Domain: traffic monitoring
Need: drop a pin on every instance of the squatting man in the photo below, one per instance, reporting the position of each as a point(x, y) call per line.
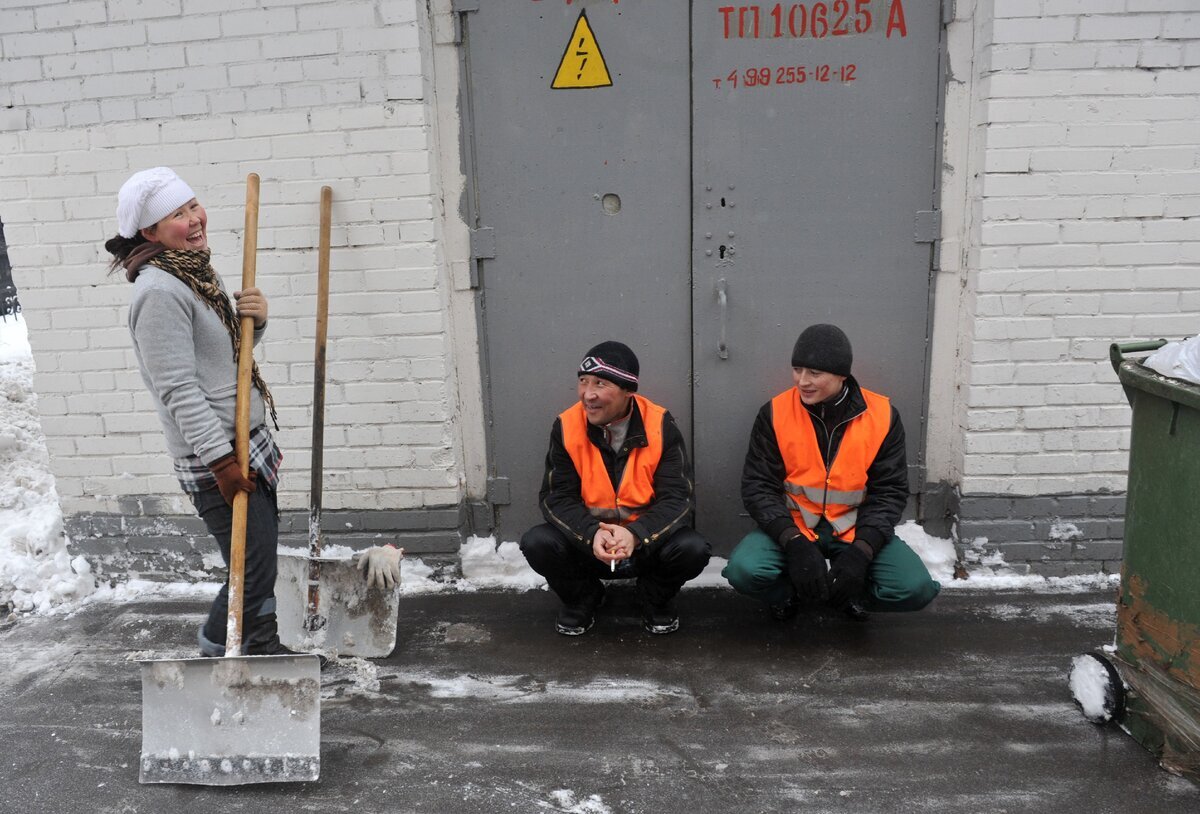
point(825, 478)
point(617, 498)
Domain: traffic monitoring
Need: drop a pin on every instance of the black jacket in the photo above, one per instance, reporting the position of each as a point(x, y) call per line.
point(887, 477)
point(561, 497)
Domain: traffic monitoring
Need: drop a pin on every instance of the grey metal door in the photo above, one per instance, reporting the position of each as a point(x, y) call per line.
point(814, 151)
point(803, 135)
point(587, 192)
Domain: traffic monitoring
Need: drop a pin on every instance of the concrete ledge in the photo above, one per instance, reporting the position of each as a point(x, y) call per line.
point(1049, 535)
point(173, 546)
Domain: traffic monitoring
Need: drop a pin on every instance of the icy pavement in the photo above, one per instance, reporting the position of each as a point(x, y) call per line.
point(963, 707)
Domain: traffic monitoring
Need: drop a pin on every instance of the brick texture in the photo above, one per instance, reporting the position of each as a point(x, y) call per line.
point(1086, 233)
point(304, 93)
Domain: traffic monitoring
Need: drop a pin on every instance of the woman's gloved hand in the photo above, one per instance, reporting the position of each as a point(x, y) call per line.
point(229, 477)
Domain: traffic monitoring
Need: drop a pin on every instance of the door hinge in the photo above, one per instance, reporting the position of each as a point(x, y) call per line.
point(458, 8)
point(499, 491)
point(927, 226)
point(483, 243)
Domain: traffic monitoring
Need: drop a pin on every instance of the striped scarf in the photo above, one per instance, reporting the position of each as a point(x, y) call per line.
point(192, 268)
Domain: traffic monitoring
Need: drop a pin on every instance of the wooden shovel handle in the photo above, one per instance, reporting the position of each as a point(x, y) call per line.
point(241, 443)
point(318, 428)
point(313, 621)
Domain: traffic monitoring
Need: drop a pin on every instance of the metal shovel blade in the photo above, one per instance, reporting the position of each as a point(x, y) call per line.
point(231, 721)
point(358, 621)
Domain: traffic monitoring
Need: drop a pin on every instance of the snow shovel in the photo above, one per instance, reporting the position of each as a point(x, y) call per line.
point(236, 719)
point(340, 614)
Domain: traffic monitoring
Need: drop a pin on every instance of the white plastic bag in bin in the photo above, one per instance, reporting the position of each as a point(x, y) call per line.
point(1179, 360)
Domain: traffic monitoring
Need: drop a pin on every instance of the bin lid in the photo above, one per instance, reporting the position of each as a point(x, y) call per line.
point(1134, 374)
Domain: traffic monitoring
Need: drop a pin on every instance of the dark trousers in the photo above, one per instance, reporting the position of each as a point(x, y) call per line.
point(574, 574)
point(262, 538)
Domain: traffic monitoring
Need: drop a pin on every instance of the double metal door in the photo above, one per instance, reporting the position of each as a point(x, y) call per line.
point(700, 181)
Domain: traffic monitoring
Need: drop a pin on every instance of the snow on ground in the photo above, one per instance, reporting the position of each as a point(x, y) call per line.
point(488, 566)
point(1092, 688)
point(37, 571)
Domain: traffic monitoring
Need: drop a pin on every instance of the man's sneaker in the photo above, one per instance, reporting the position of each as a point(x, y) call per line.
point(660, 619)
point(783, 611)
point(577, 619)
point(855, 611)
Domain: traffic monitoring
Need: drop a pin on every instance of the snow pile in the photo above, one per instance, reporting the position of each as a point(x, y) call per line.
point(988, 570)
point(936, 552)
point(566, 801)
point(1061, 532)
point(711, 577)
point(1092, 688)
point(486, 565)
point(36, 570)
point(135, 590)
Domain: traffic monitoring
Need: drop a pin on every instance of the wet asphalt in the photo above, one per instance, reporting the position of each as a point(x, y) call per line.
point(482, 707)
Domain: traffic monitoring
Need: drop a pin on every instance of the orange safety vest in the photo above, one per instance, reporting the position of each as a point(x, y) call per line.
point(636, 490)
point(835, 493)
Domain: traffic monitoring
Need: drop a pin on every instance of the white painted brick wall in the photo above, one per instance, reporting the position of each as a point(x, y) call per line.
point(1088, 232)
point(305, 93)
point(1077, 227)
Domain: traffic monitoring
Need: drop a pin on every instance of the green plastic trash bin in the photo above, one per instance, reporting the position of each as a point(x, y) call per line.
point(1157, 653)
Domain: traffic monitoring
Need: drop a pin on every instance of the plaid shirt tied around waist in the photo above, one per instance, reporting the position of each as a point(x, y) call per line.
point(265, 458)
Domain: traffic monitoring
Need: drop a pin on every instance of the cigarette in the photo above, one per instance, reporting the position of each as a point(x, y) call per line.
point(612, 566)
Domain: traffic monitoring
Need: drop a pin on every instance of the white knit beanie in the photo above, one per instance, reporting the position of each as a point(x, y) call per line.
point(148, 197)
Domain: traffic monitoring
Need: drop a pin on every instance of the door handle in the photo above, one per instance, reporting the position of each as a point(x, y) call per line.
point(723, 306)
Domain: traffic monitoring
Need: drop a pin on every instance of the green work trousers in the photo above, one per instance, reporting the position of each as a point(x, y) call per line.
point(897, 580)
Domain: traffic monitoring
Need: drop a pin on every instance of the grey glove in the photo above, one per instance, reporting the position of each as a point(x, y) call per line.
point(380, 565)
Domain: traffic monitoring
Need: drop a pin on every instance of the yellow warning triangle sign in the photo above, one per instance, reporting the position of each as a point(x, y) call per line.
point(582, 64)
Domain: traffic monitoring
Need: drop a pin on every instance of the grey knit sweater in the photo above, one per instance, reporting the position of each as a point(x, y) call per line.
point(186, 361)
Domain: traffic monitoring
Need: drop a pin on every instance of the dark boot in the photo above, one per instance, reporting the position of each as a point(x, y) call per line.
point(855, 611)
point(658, 609)
point(209, 648)
point(263, 640)
point(786, 610)
point(578, 616)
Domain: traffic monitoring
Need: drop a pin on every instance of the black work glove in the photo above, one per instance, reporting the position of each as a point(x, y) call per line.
point(229, 477)
point(806, 568)
point(848, 575)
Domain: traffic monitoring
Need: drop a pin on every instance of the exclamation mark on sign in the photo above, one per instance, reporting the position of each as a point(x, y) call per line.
point(582, 64)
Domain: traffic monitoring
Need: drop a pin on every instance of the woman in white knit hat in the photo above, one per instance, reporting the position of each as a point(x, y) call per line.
point(186, 334)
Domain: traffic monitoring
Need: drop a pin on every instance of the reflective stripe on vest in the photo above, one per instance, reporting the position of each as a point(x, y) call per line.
point(835, 494)
point(636, 491)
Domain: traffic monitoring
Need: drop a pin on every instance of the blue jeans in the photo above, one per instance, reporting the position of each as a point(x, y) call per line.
point(262, 539)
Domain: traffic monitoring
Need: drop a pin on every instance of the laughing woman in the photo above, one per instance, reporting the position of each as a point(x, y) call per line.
point(186, 334)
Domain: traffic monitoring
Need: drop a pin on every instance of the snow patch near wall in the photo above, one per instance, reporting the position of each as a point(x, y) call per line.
point(37, 572)
point(1063, 532)
point(487, 565)
point(988, 570)
point(1091, 687)
point(937, 553)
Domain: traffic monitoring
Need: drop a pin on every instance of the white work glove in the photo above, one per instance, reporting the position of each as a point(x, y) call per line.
point(380, 565)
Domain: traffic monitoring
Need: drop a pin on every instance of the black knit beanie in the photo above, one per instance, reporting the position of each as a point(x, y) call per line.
point(823, 347)
point(614, 362)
